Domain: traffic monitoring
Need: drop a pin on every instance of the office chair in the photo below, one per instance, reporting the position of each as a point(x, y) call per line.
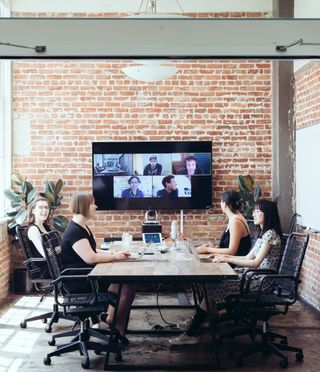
point(277, 292)
point(82, 306)
point(40, 284)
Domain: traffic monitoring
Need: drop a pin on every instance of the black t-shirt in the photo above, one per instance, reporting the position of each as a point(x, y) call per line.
point(73, 234)
point(167, 195)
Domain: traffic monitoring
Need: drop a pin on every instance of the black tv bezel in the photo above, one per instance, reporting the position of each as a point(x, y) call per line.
point(154, 147)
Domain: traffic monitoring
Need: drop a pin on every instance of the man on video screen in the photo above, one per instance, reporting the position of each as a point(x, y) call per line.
point(170, 188)
point(153, 168)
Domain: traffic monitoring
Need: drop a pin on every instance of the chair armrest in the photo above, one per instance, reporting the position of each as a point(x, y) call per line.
point(33, 259)
point(264, 278)
point(64, 277)
point(249, 274)
point(74, 269)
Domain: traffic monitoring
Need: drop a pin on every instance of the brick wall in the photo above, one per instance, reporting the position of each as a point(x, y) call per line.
point(5, 262)
point(69, 104)
point(65, 105)
point(307, 113)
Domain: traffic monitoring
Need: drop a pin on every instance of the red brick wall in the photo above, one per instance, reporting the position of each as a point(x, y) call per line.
point(5, 262)
point(307, 113)
point(69, 104)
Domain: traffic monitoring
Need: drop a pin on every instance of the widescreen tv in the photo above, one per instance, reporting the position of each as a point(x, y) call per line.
point(152, 175)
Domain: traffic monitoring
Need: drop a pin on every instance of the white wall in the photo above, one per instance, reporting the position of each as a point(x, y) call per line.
point(306, 9)
point(133, 5)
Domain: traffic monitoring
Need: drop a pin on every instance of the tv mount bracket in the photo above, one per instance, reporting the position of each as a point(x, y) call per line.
point(283, 48)
point(38, 48)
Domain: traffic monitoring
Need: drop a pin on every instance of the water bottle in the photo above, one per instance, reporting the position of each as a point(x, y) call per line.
point(174, 231)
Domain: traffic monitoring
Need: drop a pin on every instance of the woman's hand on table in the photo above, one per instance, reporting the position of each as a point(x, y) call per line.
point(219, 258)
point(204, 248)
point(121, 255)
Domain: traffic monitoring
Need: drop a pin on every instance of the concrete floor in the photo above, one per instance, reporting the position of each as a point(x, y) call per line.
point(24, 349)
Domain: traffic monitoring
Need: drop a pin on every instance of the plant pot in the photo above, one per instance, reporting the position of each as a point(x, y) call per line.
point(21, 281)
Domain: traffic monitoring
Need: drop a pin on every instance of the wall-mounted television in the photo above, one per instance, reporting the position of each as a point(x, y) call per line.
point(152, 175)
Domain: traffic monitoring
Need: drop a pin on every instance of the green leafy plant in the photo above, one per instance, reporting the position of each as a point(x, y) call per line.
point(249, 194)
point(23, 193)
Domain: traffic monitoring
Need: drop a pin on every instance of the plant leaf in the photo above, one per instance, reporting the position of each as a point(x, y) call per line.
point(248, 182)
point(16, 179)
point(20, 217)
point(49, 187)
point(12, 224)
point(13, 196)
point(50, 197)
point(31, 195)
point(60, 223)
point(241, 184)
point(257, 192)
point(58, 187)
point(13, 211)
point(27, 187)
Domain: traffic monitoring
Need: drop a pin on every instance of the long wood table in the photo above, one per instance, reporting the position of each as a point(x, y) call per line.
point(176, 266)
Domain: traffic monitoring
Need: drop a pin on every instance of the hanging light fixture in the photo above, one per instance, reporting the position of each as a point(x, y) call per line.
point(152, 70)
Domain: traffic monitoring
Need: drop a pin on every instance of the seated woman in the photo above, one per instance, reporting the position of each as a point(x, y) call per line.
point(133, 191)
point(235, 240)
point(265, 254)
point(38, 215)
point(78, 249)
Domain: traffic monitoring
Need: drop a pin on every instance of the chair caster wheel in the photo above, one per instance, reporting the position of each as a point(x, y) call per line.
point(47, 361)
point(239, 362)
point(48, 329)
point(118, 358)
point(44, 320)
point(23, 325)
point(85, 364)
point(52, 342)
point(299, 357)
point(284, 363)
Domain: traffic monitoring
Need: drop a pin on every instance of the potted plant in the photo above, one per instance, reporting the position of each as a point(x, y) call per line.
point(249, 194)
point(23, 193)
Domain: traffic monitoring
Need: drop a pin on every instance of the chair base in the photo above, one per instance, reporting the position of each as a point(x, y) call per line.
point(54, 317)
point(266, 348)
point(81, 342)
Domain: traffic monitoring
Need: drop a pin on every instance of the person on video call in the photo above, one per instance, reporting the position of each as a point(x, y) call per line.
point(170, 188)
point(190, 167)
point(153, 168)
point(133, 191)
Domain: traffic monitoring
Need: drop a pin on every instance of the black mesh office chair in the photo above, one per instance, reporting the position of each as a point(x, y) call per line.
point(40, 284)
point(276, 293)
point(82, 306)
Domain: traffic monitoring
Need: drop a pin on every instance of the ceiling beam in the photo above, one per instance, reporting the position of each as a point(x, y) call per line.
point(159, 38)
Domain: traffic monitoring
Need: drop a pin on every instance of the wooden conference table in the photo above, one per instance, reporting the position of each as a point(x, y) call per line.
point(180, 265)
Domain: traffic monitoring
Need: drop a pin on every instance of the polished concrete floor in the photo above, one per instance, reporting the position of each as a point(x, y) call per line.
point(24, 349)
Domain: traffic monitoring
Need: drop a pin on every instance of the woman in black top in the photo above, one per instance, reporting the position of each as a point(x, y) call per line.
point(235, 240)
point(78, 249)
point(38, 214)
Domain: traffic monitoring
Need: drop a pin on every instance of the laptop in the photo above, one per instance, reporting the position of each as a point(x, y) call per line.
point(202, 257)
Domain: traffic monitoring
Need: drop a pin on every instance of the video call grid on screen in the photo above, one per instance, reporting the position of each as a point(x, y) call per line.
point(141, 170)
